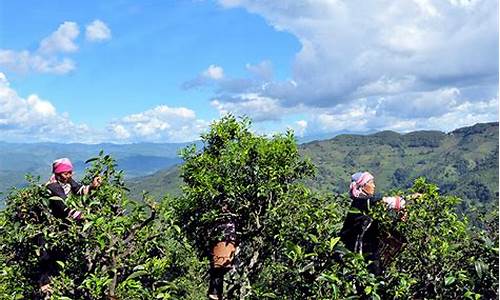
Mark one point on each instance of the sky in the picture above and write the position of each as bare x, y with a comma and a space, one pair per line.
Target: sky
162, 71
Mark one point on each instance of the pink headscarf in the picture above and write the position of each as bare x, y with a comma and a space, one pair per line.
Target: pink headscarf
62, 165
358, 180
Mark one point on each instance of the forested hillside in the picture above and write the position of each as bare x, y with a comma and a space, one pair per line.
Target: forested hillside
463, 162
287, 235
19, 159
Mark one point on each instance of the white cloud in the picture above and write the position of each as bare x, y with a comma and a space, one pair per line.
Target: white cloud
120, 131
386, 86
427, 7
209, 76
51, 55
159, 124
97, 31
343, 118
257, 107
366, 66
465, 114
62, 40
300, 127
364, 117
262, 70
35, 119
420, 105
349, 46
25, 62
214, 72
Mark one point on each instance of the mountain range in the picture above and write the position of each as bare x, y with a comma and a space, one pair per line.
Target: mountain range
463, 162
141, 159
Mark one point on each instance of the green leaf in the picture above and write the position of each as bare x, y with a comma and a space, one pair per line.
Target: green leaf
481, 268
60, 263
137, 274
270, 295
449, 280
86, 226
138, 267
92, 159
333, 242
368, 290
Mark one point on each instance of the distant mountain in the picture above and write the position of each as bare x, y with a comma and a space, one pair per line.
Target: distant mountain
141, 159
463, 162
157, 184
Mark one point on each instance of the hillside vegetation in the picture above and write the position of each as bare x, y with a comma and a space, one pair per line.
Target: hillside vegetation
19, 159
288, 234
463, 162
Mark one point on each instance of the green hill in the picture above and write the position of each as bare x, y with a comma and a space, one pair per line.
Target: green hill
463, 162
140, 159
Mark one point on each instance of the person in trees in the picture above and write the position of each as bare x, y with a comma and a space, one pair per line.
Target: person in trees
62, 184
360, 232
222, 252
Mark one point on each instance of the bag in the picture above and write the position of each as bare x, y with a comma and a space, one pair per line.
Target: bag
223, 254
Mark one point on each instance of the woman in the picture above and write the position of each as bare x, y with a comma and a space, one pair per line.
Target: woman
62, 184
222, 252
360, 232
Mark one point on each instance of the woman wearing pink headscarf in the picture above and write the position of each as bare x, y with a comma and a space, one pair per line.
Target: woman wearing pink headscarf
360, 232
62, 184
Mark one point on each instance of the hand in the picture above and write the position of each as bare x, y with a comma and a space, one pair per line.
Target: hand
396, 203
404, 216
96, 182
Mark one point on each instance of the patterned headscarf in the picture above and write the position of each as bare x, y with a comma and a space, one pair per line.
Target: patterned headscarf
358, 181
62, 165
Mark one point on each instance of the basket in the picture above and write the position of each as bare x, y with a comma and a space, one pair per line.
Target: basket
391, 243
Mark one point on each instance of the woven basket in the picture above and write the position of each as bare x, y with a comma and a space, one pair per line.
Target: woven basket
391, 243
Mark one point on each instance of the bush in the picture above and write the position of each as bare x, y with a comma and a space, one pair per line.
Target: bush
288, 234
122, 249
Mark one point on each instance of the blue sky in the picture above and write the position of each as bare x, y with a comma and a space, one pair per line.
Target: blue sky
161, 71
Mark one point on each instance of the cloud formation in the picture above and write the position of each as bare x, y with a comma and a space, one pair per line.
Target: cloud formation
97, 31
211, 75
51, 54
34, 119
378, 64
256, 107
62, 40
26, 62
159, 124
214, 72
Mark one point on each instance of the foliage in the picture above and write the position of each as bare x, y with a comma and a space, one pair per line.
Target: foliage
122, 248
239, 176
289, 243
463, 163
444, 256
288, 234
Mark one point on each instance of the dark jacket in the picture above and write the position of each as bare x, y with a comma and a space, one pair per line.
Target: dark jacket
360, 232
57, 206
